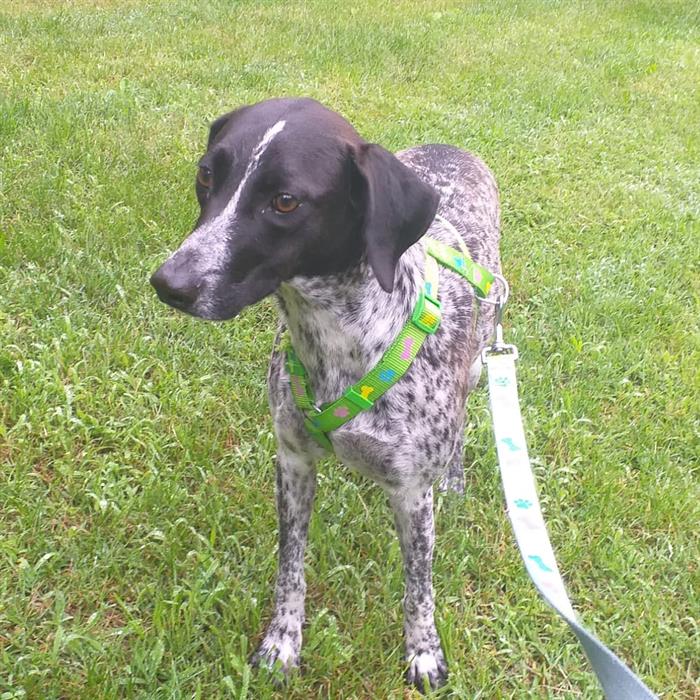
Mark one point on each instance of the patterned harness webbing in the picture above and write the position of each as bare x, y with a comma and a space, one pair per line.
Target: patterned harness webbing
424, 321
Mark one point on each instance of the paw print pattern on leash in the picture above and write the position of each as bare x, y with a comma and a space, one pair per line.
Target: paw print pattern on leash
538, 560
365, 391
523, 503
508, 442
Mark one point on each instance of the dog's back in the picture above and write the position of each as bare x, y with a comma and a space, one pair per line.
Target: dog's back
469, 201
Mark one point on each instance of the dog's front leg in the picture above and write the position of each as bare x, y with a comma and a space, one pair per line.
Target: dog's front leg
296, 485
413, 511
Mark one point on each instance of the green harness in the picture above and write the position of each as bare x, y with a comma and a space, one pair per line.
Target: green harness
395, 362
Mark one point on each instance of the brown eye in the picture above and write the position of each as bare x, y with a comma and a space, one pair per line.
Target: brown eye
205, 177
285, 203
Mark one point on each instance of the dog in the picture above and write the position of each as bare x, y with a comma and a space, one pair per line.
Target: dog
293, 202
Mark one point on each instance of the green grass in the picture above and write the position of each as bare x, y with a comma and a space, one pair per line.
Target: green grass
138, 540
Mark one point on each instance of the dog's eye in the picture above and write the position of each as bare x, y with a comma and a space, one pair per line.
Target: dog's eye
285, 203
205, 177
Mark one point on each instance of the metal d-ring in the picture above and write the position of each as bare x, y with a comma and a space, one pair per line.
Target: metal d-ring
502, 299
499, 347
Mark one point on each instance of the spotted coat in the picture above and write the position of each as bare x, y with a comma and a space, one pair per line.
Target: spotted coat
345, 259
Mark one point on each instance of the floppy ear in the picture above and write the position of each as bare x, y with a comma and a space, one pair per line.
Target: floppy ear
399, 208
216, 127
222, 121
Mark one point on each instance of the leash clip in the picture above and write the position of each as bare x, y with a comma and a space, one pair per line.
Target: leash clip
499, 347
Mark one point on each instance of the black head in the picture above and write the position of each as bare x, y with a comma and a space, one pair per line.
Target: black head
288, 188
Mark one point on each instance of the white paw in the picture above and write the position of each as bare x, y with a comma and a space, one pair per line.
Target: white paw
427, 670
278, 651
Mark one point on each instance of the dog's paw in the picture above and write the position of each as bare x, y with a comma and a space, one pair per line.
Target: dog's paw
427, 670
278, 653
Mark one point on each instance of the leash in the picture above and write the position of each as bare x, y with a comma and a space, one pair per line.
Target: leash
617, 680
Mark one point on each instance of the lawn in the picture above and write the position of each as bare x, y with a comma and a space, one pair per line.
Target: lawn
137, 513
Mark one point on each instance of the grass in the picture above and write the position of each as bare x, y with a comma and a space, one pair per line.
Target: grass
136, 491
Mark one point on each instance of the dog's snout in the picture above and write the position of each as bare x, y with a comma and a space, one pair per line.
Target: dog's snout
174, 287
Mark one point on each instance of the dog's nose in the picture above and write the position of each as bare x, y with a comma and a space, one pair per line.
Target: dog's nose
174, 287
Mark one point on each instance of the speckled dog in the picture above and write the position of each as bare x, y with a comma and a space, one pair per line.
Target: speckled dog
294, 203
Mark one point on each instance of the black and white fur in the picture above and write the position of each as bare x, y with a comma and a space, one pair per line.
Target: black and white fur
346, 267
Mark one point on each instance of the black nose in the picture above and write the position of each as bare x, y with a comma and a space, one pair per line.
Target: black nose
174, 287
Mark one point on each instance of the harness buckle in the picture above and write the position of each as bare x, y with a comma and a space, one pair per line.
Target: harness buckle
355, 398
426, 314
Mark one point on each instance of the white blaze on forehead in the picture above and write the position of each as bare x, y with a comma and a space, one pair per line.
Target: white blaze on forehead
230, 210
212, 237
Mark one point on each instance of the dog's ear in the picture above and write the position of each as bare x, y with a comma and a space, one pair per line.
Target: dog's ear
216, 127
398, 208
222, 121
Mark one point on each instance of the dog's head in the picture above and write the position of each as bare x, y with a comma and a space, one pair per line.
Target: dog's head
287, 188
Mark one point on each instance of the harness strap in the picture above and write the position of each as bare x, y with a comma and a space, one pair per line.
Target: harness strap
397, 359
479, 277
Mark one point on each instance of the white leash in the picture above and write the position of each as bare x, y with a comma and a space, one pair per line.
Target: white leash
618, 681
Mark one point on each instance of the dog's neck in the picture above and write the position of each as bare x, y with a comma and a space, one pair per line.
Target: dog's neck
341, 325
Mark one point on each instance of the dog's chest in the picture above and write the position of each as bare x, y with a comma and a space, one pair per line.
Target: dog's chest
409, 437
411, 432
